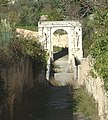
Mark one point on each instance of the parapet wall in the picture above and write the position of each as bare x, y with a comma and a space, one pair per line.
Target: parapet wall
94, 86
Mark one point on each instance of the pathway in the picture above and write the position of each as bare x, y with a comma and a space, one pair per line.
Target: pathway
63, 72
59, 97
58, 106
61, 93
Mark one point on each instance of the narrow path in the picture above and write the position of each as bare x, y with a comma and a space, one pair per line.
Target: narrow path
59, 97
63, 72
58, 106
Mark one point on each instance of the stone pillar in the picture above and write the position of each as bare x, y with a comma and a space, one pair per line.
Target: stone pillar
70, 44
48, 47
79, 75
78, 42
52, 43
43, 36
75, 72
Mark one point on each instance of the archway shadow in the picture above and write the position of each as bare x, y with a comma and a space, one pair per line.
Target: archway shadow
60, 54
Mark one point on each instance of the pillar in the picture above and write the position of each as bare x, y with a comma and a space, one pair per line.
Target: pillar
70, 44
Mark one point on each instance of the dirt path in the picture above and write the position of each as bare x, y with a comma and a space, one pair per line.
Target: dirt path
60, 97
58, 106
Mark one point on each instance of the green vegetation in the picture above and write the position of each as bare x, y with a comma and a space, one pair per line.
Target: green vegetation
93, 15
3, 2
28, 12
95, 39
16, 49
32, 49
83, 103
57, 49
99, 47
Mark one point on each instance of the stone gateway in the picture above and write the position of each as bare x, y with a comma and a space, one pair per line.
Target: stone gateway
46, 30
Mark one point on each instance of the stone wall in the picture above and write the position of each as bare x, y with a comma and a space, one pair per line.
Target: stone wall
27, 33
58, 40
18, 81
94, 86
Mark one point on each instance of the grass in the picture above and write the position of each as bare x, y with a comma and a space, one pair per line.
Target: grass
33, 28
57, 48
83, 103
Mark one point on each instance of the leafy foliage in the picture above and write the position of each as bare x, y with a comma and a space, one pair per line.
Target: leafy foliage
93, 13
13, 52
3, 2
28, 12
31, 48
5, 26
99, 48
18, 47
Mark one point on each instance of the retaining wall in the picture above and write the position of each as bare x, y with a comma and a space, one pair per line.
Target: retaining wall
18, 80
94, 86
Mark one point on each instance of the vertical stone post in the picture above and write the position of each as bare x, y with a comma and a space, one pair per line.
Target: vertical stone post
49, 52
52, 32
78, 40
70, 44
79, 75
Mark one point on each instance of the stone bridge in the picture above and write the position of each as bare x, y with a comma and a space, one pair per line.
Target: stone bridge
73, 29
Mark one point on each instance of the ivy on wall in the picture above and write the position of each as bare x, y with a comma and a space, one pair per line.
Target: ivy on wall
31, 48
12, 52
99, 48
17, 47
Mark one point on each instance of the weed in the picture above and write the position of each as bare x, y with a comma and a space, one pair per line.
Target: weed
83, 103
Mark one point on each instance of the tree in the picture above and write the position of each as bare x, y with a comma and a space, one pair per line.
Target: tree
3, 2
28, 12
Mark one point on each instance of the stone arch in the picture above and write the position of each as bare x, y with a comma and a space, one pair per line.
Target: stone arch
59, 28
74, 31
60, 43
62, 37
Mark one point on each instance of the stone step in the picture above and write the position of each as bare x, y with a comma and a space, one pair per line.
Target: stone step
61, 62
63, 69
63, 79
63, 72
63, 66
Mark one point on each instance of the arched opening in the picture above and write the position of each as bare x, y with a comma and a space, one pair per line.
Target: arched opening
59, 47
60, 44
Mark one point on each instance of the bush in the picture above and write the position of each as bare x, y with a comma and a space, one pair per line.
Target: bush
99, 48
